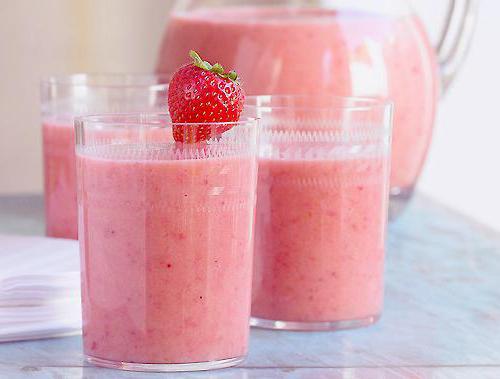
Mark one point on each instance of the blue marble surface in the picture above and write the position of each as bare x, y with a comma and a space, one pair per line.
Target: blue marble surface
441, 317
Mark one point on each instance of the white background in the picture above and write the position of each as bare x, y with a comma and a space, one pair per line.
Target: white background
463, 167
38, 38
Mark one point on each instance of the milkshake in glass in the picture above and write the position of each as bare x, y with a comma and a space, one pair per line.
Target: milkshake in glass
321, 214
166, 238
66, 97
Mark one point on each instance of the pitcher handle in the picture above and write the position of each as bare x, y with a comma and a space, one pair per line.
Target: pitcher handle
452, 48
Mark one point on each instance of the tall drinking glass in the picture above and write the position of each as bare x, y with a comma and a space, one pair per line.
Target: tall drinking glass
321, 211
63, 99
166, 241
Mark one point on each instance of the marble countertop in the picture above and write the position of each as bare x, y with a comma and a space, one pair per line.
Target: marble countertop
441, 316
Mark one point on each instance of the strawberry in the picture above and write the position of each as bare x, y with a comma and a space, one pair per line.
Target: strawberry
203, 93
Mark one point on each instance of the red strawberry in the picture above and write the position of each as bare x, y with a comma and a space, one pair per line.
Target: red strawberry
203, 93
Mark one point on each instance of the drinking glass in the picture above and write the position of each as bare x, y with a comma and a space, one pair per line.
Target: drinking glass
322, 203
63, 99
166, 241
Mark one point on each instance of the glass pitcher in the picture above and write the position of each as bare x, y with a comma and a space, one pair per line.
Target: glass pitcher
340, 47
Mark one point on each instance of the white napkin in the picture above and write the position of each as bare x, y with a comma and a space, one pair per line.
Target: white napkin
39, 288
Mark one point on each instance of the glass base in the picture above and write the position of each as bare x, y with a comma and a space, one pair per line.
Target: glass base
165, 367
398, 200
313, 326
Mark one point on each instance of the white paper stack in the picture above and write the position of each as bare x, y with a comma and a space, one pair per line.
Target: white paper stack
39, 288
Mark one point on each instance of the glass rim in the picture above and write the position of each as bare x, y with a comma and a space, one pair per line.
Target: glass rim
109, 80
349, 103
149, 119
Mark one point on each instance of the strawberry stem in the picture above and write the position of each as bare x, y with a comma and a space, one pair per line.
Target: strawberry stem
216, 68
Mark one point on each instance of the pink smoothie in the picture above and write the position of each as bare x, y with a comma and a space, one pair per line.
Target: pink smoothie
319, 240
166, 256
60, 180
285, 51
